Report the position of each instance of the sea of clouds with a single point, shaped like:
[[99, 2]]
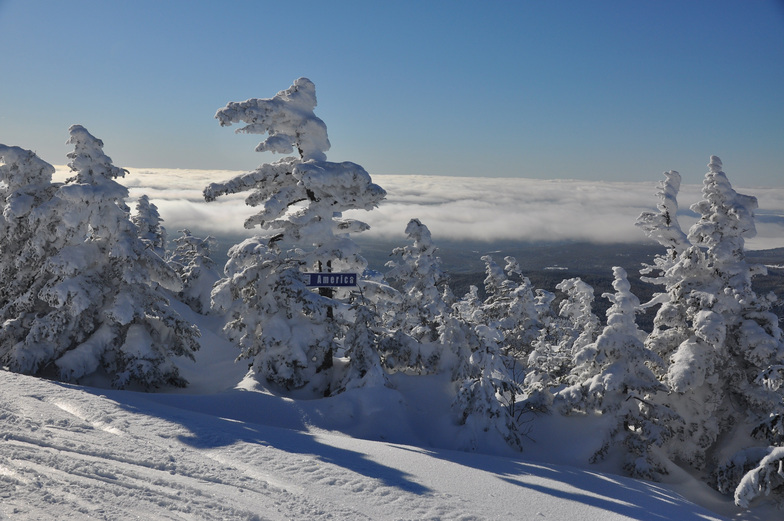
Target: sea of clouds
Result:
[[455, 208]]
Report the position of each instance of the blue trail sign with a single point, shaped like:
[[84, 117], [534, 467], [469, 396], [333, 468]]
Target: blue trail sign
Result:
[[331, 280]]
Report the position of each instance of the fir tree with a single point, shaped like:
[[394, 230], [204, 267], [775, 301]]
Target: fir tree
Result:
[[612, 376], [25, 185], [487, 395], [148, 222], [198, 272], [422, 311], [26, 242], [302, 199], [105, 292], [722, 344]]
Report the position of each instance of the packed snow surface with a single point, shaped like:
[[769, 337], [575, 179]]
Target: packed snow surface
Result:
[[223, 450], [73, 452]]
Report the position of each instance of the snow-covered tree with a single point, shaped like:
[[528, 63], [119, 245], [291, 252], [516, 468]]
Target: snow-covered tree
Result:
[[282, 326], [361, 348], [579, 325], [722, 344], [198, 272], [487, 395], [612, 376], [511, 306], [733, 336], [301, 199], [670, 327], [421, 279], [26, 241], [765, 479], [663, 227], [422, 310], [25, 185], [107, 306], [148, 221], [561, 336]]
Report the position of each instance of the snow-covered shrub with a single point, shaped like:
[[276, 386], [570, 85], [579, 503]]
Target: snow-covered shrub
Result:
[[301, 200]]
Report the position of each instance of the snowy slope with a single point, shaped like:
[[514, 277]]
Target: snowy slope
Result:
[[72, 452], [225, 448]]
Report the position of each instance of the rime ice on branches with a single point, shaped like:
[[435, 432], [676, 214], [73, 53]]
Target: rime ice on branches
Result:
[[288, 331]]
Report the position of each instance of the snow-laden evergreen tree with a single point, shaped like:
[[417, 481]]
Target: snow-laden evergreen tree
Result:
[[105, 291], [670, 327], [735, 338], [25, 243], [737, 323], [301, 200], [422, 311], [488, 391], [561, 336], [663, 226], [487, 395], [421, 279], [612, 376], [578, 324], [198, 272], [277, 321], [361, 348], [469, 307], [765, 479], [511, 306], [25, 184], [148, 221], [722, 343]]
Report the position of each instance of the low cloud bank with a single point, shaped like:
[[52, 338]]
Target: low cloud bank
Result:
[[456, 208]]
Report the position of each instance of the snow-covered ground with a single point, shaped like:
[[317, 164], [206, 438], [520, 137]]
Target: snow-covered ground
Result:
[[225, 448]]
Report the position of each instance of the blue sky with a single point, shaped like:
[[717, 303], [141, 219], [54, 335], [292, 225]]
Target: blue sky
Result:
[[599, 90]]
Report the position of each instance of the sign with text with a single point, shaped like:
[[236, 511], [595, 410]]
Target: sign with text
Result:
[[331, 280]]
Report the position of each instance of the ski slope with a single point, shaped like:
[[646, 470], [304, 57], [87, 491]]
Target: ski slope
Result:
[[71, 452]]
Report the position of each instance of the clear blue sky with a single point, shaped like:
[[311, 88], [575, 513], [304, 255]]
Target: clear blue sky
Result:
[[612, 90]]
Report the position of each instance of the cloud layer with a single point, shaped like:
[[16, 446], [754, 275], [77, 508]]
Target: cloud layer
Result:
[[455, 208]]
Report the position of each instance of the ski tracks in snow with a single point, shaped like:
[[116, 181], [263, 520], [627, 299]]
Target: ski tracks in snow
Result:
[[66, 453]]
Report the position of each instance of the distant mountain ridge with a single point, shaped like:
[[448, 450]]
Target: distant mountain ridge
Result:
[[548, 263]]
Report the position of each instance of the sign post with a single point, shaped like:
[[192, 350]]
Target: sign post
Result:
[[331, 280]]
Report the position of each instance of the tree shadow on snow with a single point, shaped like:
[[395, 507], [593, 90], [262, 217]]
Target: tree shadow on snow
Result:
[[213, 422], [635, 499], [297, 442]]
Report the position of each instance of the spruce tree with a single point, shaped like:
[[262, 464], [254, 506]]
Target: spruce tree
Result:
[[301, 198], [611, 376], [104, 295]]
